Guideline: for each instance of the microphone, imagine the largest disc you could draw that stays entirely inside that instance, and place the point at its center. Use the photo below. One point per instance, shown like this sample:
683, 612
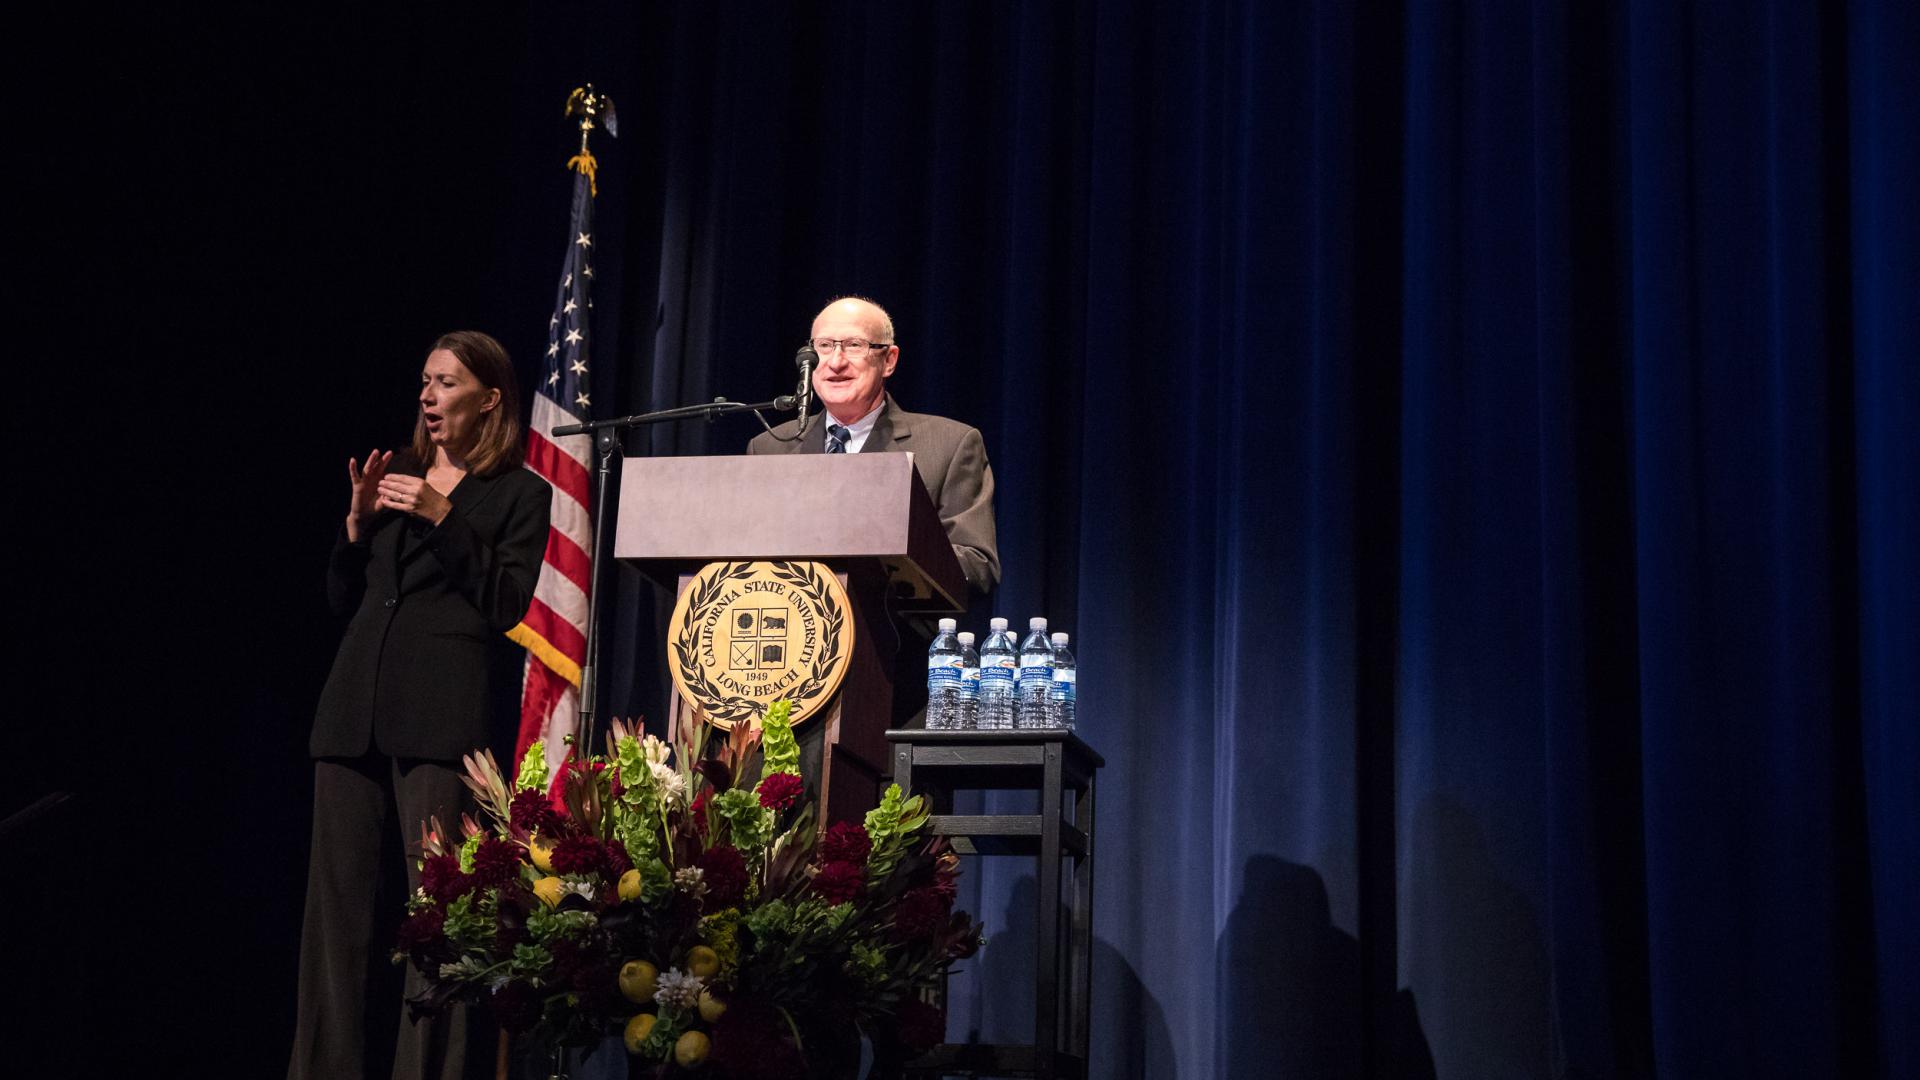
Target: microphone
804, 360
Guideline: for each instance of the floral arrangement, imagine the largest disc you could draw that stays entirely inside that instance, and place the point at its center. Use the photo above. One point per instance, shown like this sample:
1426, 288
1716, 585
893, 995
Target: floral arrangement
704, 918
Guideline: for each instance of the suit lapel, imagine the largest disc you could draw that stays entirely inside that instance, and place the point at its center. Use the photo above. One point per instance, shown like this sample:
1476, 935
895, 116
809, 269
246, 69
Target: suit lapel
890, 428
815, 441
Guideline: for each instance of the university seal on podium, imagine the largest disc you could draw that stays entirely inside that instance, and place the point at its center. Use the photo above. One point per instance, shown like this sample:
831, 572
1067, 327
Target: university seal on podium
746, 634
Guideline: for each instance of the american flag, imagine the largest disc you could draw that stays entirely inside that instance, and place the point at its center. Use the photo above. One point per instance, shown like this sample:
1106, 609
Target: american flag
555, 629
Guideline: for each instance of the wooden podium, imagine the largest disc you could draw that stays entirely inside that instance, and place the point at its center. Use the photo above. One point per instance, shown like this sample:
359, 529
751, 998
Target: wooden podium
864, 515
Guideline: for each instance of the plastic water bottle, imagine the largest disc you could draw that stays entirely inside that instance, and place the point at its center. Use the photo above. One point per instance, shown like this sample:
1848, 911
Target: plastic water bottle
1060, 707
943, 679
1036, 675
968, 716
998, 661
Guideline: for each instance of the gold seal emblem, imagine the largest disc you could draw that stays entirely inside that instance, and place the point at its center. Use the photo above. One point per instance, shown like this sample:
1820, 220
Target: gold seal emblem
745, 634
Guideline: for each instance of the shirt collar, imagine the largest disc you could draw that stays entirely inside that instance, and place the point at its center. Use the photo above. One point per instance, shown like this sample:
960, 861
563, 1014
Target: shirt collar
859, 429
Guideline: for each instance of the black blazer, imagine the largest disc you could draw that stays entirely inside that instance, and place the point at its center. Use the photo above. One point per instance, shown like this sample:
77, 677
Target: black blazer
430, 605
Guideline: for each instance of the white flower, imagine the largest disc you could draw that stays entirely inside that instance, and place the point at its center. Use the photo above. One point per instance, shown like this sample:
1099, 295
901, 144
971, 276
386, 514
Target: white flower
673, 786
691, 880
655, 750
582, 889
676, 989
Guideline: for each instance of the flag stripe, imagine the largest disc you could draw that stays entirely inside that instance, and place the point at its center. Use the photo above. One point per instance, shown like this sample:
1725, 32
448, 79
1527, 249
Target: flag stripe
558, 632
556, 467
569, 560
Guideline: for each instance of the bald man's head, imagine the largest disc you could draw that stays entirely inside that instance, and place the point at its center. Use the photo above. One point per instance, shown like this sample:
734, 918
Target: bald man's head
854, 337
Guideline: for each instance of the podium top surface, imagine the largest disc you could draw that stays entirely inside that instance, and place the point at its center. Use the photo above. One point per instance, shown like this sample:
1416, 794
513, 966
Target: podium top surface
688, 510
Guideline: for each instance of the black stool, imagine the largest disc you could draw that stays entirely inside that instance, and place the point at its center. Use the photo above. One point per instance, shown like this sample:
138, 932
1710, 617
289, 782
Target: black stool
937, 764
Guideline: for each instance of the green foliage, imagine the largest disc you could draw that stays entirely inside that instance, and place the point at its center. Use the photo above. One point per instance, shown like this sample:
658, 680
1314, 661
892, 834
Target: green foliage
890, 826
636, 813
467, 851
780, 751
546, 923
667, 1028
656, 880
721, 932
533, 768
469, 924
530, 958
771, 920
867, 963
749, 825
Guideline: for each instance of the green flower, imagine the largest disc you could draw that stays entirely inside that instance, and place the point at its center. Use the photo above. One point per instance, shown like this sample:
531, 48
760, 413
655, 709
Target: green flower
749, 825
779, 749
533, 768
467, 851
868, 964
721, 932
890, 826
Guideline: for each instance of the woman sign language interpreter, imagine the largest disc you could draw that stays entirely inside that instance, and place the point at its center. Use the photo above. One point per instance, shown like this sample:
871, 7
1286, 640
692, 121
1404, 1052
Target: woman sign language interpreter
437, 559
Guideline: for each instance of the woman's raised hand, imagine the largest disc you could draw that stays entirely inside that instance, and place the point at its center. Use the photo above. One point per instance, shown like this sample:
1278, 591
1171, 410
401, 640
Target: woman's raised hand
365, 500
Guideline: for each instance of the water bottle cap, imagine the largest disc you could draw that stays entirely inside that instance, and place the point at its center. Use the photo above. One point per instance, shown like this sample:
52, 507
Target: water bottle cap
948, 626
1036, 623
966, 637
1059, 639
997, 624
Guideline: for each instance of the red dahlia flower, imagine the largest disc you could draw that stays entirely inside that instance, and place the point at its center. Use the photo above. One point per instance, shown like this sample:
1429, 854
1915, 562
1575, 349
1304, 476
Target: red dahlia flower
579, 855
921, 913
725, 874
781, 790
531, 811
440, 876
838, 882
845, 842
496, 862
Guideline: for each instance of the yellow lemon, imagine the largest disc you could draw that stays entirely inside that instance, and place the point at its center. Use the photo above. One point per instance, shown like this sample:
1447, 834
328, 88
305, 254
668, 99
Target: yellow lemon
703, 962
549, 891
638, 981
691, 1050
638, 1029
711, 1007
542, 851
630, 885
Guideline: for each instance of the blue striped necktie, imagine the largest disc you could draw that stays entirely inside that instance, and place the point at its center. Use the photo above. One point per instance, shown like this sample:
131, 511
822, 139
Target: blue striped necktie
837, 439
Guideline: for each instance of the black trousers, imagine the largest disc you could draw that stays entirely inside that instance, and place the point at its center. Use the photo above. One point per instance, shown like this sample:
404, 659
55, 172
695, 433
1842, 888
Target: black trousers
367, 812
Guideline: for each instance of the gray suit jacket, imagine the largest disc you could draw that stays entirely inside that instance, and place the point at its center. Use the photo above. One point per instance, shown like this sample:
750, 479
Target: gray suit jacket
951, 460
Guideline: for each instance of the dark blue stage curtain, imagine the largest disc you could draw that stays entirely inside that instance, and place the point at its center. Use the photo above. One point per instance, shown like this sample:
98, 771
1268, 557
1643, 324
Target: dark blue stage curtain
1473, 446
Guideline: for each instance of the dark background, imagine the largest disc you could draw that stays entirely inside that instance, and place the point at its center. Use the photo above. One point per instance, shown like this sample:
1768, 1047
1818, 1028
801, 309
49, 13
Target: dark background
1472, 444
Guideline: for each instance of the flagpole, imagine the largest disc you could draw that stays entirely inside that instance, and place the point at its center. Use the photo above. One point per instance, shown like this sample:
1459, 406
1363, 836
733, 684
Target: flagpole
589, 107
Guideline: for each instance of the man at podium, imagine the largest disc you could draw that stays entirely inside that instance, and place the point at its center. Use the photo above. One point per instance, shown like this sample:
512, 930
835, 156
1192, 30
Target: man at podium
854, 339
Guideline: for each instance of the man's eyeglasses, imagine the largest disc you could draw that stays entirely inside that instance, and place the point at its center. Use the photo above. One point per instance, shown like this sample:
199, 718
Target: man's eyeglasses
854, 347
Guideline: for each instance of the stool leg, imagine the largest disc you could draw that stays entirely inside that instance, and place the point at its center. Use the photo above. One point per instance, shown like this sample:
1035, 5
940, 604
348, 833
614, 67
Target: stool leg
1080, 956
1046, 995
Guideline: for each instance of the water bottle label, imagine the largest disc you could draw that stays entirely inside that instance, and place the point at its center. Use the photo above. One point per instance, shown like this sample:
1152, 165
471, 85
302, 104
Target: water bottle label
942, 673
1060, 691
1032, 675
996, 672
1065, 675
969, 683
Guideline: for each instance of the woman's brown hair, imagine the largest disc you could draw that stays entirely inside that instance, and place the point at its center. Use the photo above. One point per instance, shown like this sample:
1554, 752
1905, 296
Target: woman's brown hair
498, 446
